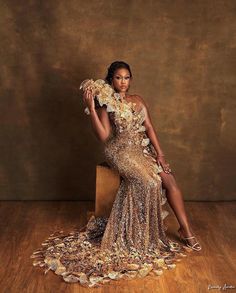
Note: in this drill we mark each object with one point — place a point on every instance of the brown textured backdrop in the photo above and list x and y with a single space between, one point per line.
182 54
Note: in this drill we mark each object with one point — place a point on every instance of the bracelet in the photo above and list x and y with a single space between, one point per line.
162 155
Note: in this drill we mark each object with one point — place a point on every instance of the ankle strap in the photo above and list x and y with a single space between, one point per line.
189 237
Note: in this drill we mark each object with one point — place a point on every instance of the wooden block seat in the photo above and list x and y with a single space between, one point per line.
107 185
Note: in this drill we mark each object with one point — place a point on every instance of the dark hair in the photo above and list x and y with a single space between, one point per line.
113 67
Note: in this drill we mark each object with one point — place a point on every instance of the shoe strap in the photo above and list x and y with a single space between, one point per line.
196 244
189 237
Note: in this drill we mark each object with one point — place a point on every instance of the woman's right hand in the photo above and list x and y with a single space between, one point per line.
89 100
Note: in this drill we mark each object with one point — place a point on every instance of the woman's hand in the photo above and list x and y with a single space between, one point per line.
165 166
89 100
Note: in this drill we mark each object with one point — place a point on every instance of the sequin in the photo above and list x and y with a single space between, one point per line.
132 242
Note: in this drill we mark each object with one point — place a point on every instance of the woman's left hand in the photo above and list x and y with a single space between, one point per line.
165 166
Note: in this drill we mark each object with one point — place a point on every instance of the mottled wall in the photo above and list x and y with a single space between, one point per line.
182 54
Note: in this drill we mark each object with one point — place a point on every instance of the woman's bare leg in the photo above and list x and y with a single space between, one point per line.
175 200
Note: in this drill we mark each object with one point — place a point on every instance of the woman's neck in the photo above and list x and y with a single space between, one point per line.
123 95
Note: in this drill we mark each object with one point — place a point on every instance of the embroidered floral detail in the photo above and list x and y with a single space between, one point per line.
157 168
145 142
145 151
141 128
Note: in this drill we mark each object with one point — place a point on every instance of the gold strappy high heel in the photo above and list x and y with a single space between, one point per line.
185 240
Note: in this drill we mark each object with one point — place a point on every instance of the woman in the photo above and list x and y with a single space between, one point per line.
119 76
132 242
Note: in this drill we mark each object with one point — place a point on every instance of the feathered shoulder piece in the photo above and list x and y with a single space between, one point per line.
105 95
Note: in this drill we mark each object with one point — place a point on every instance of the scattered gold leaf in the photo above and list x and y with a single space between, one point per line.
60 245
160 262
71 279
171 266
60 270
158 272
36 263
113 275
144 270
131 274
132 267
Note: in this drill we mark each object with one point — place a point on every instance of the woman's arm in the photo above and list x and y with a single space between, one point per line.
99 119
151 133
150 130
100 123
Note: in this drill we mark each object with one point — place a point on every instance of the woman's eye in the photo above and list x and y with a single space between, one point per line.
118 77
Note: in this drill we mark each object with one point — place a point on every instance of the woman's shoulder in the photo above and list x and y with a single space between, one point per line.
135 97
138 98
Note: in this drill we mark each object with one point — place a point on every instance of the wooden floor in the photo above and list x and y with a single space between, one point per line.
24 225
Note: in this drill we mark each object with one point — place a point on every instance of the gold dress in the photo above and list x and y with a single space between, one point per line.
132 242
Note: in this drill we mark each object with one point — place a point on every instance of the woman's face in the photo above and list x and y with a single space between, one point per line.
121 80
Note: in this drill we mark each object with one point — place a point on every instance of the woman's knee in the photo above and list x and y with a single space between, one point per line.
169 182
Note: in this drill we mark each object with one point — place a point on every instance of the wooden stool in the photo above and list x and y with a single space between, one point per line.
107 185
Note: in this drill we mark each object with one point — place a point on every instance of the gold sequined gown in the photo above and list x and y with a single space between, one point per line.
132 241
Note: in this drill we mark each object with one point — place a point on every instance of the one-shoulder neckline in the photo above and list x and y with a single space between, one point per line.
133 107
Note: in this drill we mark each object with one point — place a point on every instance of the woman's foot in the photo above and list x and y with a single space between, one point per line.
188 238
